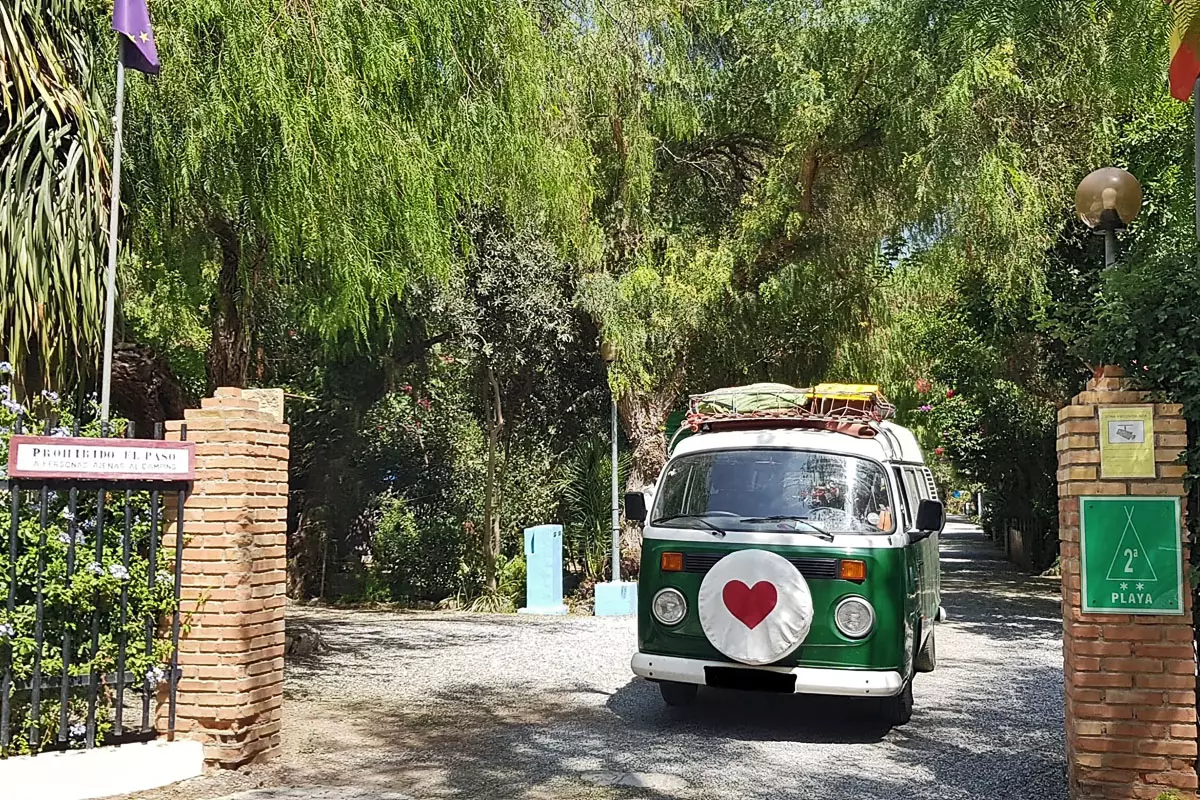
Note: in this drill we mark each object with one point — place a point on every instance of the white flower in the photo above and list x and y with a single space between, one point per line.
155 676
49 395
61 431
5 368
7 631
13 407
119 572
95 568
164 577
5 391
78 730
65 538
67 514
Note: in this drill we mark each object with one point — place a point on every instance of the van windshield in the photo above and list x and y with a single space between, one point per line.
775 490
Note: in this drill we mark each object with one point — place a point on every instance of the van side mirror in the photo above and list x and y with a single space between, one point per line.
931 516
635 507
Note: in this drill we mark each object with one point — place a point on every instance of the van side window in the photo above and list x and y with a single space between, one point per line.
907 516
915 484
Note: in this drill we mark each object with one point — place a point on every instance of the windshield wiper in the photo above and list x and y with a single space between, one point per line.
696 517
821 532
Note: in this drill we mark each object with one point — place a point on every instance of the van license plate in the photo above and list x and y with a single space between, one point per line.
757 680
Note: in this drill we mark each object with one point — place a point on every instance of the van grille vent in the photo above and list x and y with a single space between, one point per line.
701 563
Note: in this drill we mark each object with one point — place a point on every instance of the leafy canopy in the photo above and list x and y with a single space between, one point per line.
343 140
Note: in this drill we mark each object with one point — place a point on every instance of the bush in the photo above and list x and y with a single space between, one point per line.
511 579
586 487
93 587
413 562
1002 437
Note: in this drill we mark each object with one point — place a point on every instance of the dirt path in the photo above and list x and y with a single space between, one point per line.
456 706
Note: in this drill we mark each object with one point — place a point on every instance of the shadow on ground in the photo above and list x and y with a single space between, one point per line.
498 745
467 706
988 722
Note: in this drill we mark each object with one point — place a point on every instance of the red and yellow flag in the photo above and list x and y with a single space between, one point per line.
1185 57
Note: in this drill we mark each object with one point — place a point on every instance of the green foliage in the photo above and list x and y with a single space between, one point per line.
419 217
337 146
586 491
1146 323
509 593
162 309
415 563
53 173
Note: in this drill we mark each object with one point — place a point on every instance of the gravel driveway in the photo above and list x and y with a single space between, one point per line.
430 705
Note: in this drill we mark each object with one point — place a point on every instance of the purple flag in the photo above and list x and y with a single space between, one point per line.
131 19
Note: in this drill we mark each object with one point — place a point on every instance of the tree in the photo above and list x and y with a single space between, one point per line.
510 310
53 185
335 148
759 156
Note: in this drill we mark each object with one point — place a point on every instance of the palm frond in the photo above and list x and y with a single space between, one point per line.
586 488
52 190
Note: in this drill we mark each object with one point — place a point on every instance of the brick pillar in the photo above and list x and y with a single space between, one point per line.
1130 685
234 577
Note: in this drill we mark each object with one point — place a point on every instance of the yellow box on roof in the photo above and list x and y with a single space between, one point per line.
848 391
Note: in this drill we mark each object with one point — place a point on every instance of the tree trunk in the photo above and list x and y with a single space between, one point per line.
144 390
643 417
229 349
491 511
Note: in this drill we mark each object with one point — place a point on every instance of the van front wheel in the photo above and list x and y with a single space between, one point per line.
677 694
898 710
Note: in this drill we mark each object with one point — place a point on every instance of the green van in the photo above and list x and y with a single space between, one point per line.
790 548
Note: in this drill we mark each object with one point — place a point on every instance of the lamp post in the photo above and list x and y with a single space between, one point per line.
1107 200
608 352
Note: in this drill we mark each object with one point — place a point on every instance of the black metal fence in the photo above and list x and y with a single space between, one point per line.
1028 541
90 625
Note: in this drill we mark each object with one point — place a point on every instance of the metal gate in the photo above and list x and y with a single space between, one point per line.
90 625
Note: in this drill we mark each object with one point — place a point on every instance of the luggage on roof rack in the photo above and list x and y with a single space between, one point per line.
752 399
847 408
849 399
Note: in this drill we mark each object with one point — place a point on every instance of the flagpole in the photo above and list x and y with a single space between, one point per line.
114 212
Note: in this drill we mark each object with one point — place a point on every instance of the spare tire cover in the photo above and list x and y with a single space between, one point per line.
755 606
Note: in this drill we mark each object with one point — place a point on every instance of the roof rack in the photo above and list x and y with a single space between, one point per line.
854 409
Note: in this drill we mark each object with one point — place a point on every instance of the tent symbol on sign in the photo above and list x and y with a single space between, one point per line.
1131 562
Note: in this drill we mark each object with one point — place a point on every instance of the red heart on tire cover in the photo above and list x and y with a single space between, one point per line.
750 605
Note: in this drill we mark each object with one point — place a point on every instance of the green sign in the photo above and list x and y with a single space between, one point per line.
1132 562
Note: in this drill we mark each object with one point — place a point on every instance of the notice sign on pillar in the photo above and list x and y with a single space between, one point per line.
1132 559
1127 442
65 458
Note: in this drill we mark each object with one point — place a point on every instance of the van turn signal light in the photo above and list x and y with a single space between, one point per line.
672 562
851 570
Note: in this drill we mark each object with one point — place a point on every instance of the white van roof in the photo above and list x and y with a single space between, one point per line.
894 443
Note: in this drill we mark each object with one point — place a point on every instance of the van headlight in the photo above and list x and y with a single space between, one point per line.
854 617
668 606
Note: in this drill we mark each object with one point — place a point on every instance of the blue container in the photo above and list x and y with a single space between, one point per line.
543 570
616 599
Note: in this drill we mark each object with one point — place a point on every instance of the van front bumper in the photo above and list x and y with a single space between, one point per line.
809 680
